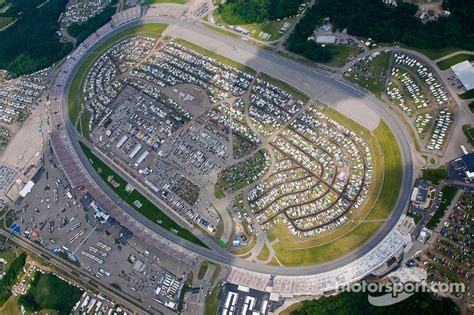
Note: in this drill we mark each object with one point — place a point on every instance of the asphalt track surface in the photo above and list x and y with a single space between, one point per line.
310 78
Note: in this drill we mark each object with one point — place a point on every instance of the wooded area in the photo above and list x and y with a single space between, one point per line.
257 11
357 304
32 43
389 24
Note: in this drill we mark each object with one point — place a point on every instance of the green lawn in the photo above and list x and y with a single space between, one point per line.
340 53
469 133
448 196
218 193
265 253
225 16
5 20
471 107
148 209
434 175
53 293
392 173
211 306
217 57
467 95
435 53
75 92
203 269
374 83
85 118
330 251
416 217
446 63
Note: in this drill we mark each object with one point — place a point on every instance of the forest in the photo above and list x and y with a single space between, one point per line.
389 24
358 304
32 43
298 42
385 24
258 11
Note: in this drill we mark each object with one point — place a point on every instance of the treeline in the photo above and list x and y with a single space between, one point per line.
357 304
48 292
298 42
257 11
32 43
11 276
388 24
82 30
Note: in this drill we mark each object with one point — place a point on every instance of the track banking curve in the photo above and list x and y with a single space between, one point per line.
310 78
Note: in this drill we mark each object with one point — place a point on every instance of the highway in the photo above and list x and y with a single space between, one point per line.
86 279
320 86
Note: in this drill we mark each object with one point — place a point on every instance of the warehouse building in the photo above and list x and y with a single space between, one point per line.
465 73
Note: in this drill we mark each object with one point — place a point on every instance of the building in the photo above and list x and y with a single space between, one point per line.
326 39
462 168
424 235
465 73
422 195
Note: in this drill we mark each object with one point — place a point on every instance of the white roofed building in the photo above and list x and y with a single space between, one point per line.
465 73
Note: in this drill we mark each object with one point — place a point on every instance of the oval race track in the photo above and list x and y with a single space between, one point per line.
315 83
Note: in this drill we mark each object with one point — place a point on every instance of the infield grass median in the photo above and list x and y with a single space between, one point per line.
147 209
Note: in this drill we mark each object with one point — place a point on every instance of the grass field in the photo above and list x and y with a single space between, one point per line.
374 83
75 92
225 16
448 196
5 20
393 173
11 307
328 252
340 53
471 107
218 193
467 95
469 133
52 293
217 57
148 209
211 306
434 175
265 253
435 53
203 268
446 63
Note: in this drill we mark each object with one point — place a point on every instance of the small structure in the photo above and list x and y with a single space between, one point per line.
421 195
465 73
424 235
326 39
27 189
462 168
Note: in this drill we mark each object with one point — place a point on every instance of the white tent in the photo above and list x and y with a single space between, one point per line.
465 73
